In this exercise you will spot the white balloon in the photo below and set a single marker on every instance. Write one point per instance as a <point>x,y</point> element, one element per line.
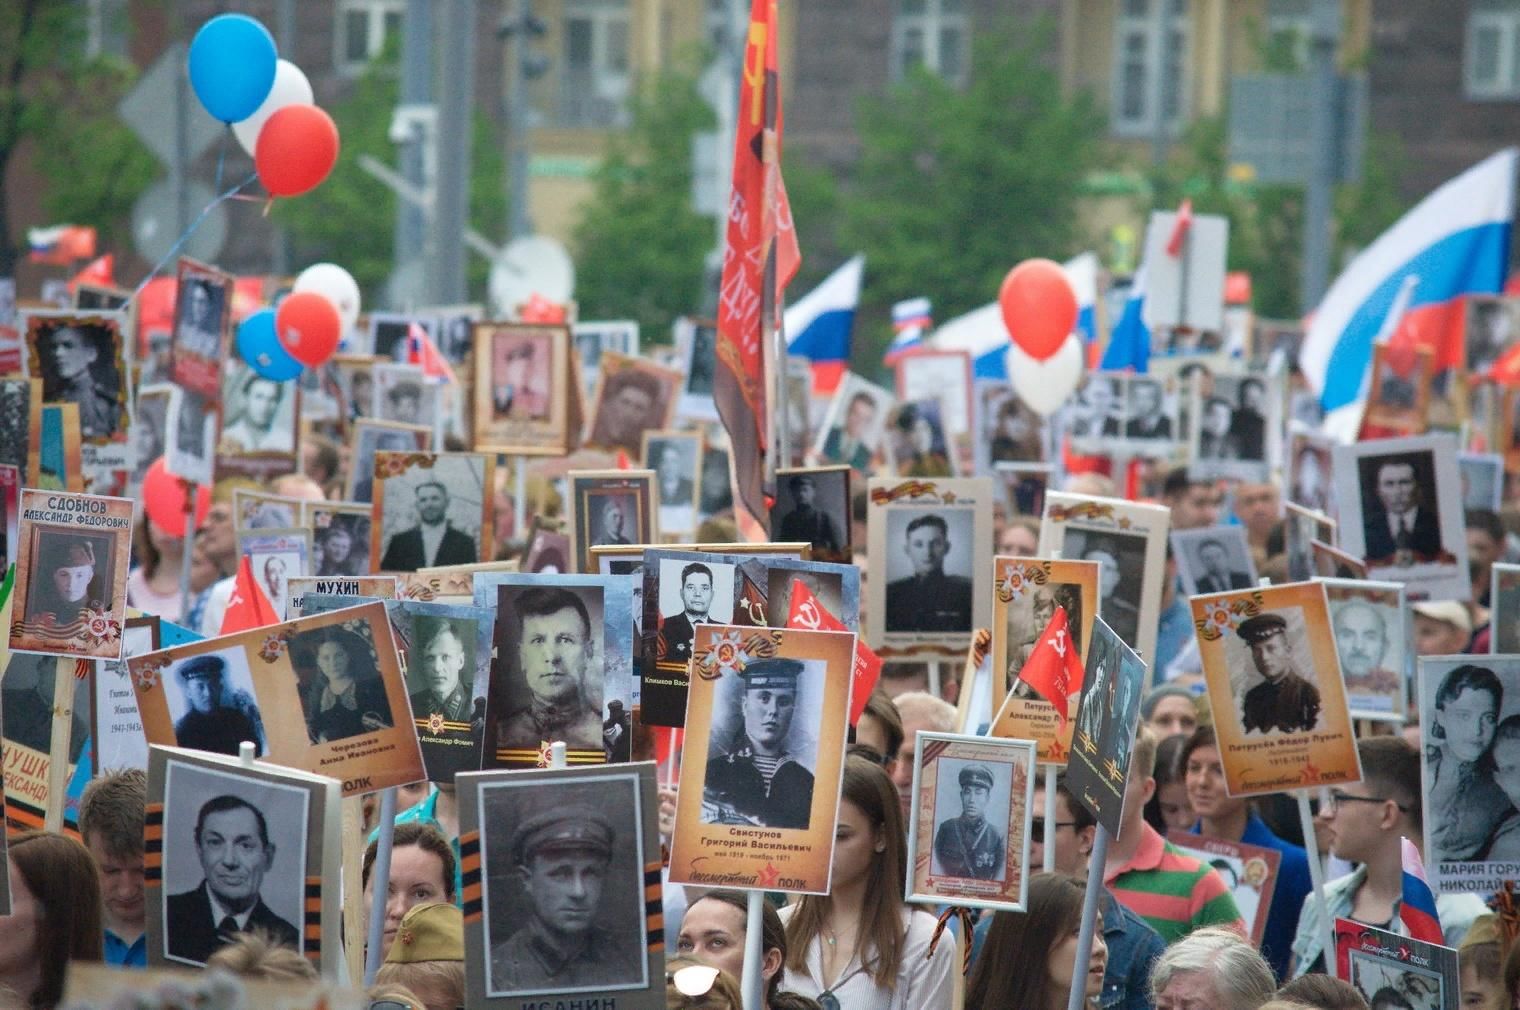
<point>290,88</point>
<point>336,285</point>
<point>1045,385</point>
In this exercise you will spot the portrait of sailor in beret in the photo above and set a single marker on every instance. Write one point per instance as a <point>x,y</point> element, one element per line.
<point>1285,701</point>
<point>762,781</point>
<point>968,845</point>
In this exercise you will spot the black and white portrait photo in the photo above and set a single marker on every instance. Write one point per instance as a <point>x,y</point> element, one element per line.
<point>970,819</point>
<point>1027,616</point>
<point>370,437</point>
<point>1231,438</point>
<point>454,334</point>
<point>1372,641</point>
<point>234,860</point>
<point>340,545</point>
<point>1470,731</point>
<point>563,866</point>
<point>200,316</point>
<point>212,702</point>
<point>717,487</point>
<point>190,432</point>
<point>72,573</point>
<point>1214,559</point>
<point>917,439</point>
<point>15,421</point>
<point>27,703</point>
<point>1099,409</point>
<point>610,508</point>
<point>550,657</point>
<point>813,507</point>
<point>404,395</point>
<point>342,691</point>
<point>148,428</point>
<point>1150,414</point>
<point>764,744</point>
<point>673,456</point>
<point>260,414</point>
<point>1482,480</point>
<point>1504,617</point>
<point>929,565</point>
<point>1009,430</point>
<point>432,516</point>
<point>1309,483</point>
<point>277,556</point>
<point>258,510</point>
<point>1121,560</point>
<point>614,518</point>
<point>79,359</point>
<point>441,667</point>
<point>690,593</point>
<point>853,426</point>
<point>621,336</point>
<point>1492,324</point>
<point>1272,674</point>
<point>700,359</point>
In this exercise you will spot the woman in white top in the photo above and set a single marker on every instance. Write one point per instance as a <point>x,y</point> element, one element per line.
<point>859,947</point>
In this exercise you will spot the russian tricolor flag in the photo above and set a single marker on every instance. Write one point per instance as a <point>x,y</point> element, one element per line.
<point>819,324</point>
<point>1455,241</point>
<point>910,319</point>
<point>1417,907</point>
<point>983,335</point>
<point>1129,341</point>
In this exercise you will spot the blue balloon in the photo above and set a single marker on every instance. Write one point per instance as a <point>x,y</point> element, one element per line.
<point>260,346</point>
<point>232,61</point>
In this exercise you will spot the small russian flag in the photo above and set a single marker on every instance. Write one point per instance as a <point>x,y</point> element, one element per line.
<point>421,351</point>
<point>912,313</point>
<point>1417,908</point>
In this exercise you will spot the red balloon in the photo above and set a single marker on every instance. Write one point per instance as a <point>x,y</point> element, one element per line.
<point>164,499</point>
<point>308,327</point>
<point>296,150</point>
<point>1039,307</point>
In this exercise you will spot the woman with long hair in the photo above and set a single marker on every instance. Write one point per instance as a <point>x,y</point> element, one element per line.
<point>1029,960</point>
<point>55,916</point>
<point>714,929</point>
<point>860,947</point>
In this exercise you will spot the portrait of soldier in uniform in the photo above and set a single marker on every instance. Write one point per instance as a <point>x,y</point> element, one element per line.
<point>553,653</point>
<point>65,578</point>
<point>561,854</point>
<point>632,401</point>
<point>761,781</point>
<point>1285,702</point>
<point>928,599</point>
<point>441,658</point>
<point>809,521</point>
<point>232,842</point>
<point>210,722</point>
<point>968,845</point>
<point>77,363</point>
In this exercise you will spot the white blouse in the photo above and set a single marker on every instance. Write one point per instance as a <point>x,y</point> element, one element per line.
<point>924,981</point>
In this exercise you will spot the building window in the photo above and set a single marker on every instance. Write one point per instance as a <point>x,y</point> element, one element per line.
<point>105,28</point>
<point>1290,26</point>
<point>1151,38</point>
<point>594,84</point>
<point>364,27</point>
<point>1492,57</point>
<point>934,34</point>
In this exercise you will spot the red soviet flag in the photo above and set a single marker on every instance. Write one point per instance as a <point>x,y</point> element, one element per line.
<point>1053,668</point>
<point>249,606</point>
<point>810,613</point>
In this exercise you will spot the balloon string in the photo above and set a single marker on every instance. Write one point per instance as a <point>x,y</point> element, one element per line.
<point>221,157</point>
<point>179,242</point>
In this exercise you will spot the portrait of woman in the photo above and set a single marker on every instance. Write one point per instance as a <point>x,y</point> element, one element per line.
<point>347,697</point>
<point>339,553</point>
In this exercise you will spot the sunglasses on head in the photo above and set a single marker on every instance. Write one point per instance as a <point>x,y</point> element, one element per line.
<point>693,980</point>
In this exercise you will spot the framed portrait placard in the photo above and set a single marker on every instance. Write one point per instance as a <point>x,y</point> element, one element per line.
<point>1401,512</point>
<point>340,538</point>
<point>1273,675</point>
<point>563,667</point>
<point>202,312</point>
<point>1249,871</point>
<point>370,587</point>
<point>1373,639</point>
<point>761,693</point>
<point>1107,716</point>
<point>150,417</point>
<point>41,700</point>
<point>431,510</point>
<point>259,424</point>
<point>275,556</point>
<point>20,415</point>
<point>339,670</point>
<point>941,375</point>
<point>71,576</point>
<point>621,336</point>
<point>1235,437</point>
<point>1008,429</point>
<point>521,377</point>
<point>513,832</point>
<point>813,505</point>
<point>633,395</point>
<point>853,426</point>
<point>697,342</point>
<point>1128,540</point>
<point>1309,469</point>
<point>116,733</point>
<point>1504,615</point>
<point>929,541</point>
<point>1470,770</point>
<point>1482,480</point>
<point>253,509</point>
<point>1213,559</point>
<point>675,458</point>
<point>279,828</point>
<point>1026,593</point>
<point>1376,962</point>
<point>190,433</point>
<point>79,358</point>
<point>368,437</point>
<point>610,507</point>
<point>968,831</point>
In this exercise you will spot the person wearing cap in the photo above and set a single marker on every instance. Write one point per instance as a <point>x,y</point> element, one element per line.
<point>561,856</point>
<point>1441,628</point>
<point>207,724</point>
<point>1284,701</point>
<point>68,574</point>
<point>761,782</point>
<point>554,650</point>
<point>806,523</point>
<point>617,732</point>
<point>968,846</point>
<point>427,956</point>
<point>928,599</point>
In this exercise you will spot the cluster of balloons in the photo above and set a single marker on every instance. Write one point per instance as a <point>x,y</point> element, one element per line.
<point>240,79</point>
<point>1044,354</point>
<point>304,331</point>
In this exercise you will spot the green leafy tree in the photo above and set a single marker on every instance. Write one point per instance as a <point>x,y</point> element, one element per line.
<point>63,102</point>
<point>956,186</point>
<point>640,245</point>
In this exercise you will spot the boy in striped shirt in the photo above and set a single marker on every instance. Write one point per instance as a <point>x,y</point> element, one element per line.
<point>1173,892</point>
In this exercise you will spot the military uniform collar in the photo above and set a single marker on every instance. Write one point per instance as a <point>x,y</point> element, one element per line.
<point>546,715</point>
<point>550,956</point>
<point>747,751</point>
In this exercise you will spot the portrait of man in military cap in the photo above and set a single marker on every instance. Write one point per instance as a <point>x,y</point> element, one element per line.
<point>212,703</point>
<point>1283,700</point>
<point>763,778</point>
<point>813,507</point>
<point>970,845</point>
<point>71,574</point>
<point>564,886</point>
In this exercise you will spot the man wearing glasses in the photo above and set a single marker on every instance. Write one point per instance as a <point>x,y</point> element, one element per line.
<point>1364,823</point>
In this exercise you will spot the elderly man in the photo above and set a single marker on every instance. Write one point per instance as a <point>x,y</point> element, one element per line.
<point>232,842</point>
<point>1285,701</point>
<point>561,856</point>
<point>968,846</point>
<point>1361,640</point>
<point>275,583</point>
<point>554,650</point>
<point>760,781</point>
<point>207,724</point>
<point>1211,969</point>
<point>445,691</point>
<point>433,541</point>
